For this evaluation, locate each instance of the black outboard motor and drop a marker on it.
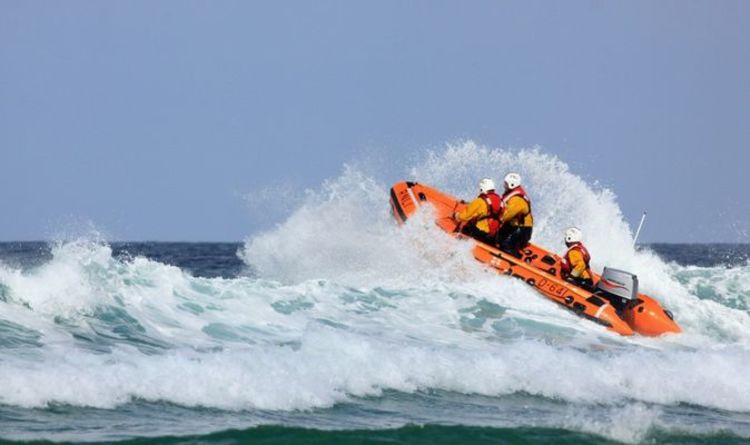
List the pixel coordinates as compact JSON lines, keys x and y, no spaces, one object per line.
{"x":618,"y":287}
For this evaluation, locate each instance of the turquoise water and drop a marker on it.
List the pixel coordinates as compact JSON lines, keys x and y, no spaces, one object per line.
{"x":416,"y":435}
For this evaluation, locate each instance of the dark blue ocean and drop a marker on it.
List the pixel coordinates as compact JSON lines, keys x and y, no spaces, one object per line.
{"x":184,"y":343}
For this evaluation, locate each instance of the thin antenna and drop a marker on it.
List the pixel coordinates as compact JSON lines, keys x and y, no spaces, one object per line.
{"x":640,"y":226}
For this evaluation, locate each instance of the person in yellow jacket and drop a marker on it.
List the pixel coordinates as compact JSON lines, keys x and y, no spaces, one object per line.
{"x":575,"y":264}
{"x":480,"y":217}
{"x":515,"y":217}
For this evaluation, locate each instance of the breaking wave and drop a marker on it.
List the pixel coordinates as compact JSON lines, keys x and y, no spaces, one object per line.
{"x":344,"y":305}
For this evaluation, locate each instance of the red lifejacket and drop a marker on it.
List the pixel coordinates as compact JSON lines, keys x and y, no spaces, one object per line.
{"x":494,"y":205}
{"x":518,"y":191}
{"x":566,"y":267}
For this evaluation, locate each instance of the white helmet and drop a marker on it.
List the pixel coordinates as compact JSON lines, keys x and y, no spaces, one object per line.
{"x":486,"y":184}
{"x":512,"y":180}
{"x":573,"y":235}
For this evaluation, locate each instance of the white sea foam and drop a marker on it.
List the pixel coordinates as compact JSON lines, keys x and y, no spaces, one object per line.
{"x":347,"y":304}
{"x":330,"y":365}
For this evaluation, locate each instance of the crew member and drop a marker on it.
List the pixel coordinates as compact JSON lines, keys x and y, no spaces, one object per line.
{"x":480,"y":217}
{"x":515,"y":217}
{"x":575,"y":263}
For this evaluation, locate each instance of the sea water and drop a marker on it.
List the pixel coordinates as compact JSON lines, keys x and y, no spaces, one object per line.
{"x":338,"y":326}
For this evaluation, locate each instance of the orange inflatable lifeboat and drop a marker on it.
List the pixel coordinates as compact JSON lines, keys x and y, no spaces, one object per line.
{"x":614,"y":302}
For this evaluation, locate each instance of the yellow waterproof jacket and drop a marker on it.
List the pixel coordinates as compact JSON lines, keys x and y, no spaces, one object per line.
{"x":517,"y":213}
{"x":475,"y":210}
{"x":578,"y":266}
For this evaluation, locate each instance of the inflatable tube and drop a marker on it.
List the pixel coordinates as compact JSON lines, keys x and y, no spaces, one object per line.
{"x":541,"y":269}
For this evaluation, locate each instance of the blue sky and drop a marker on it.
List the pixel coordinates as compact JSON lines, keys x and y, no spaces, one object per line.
{"x":152,"y":118}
